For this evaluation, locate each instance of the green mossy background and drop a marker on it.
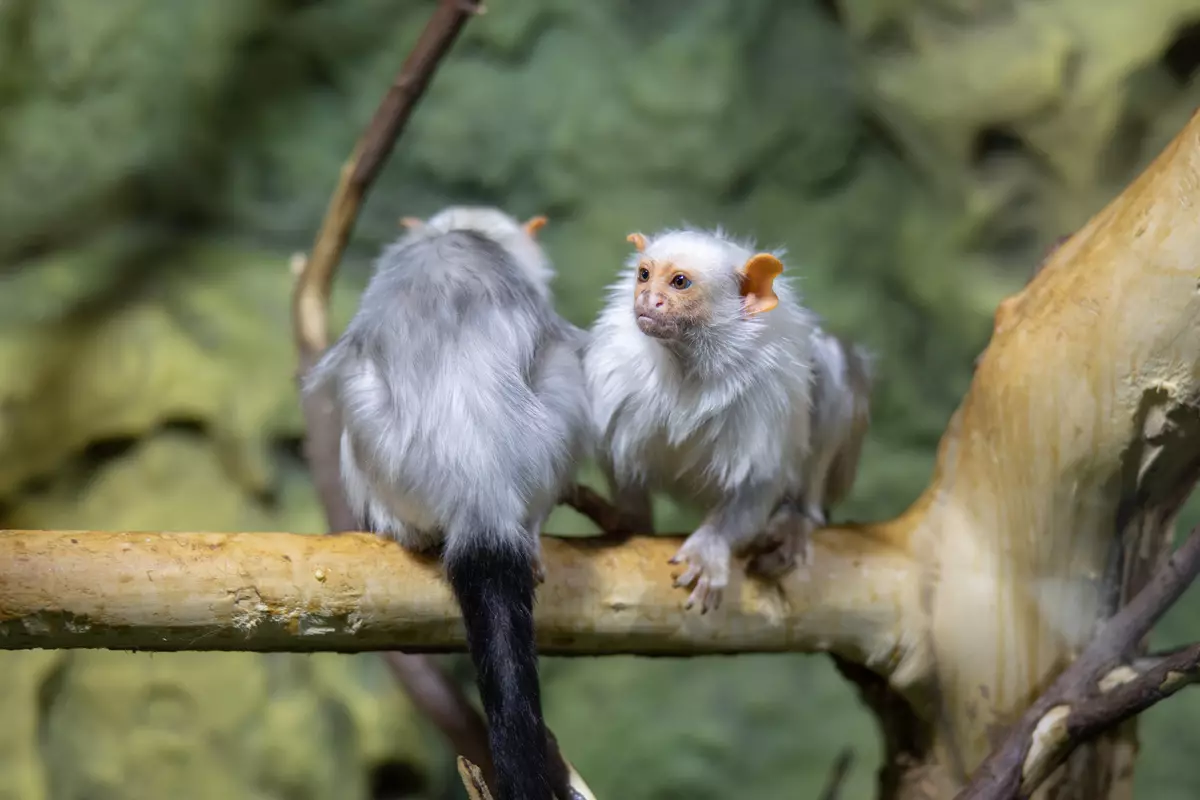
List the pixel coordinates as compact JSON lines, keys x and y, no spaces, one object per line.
{"x":159,"y":162}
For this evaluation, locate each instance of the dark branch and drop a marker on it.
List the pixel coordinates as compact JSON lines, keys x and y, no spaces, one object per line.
{"x":1001,"y":775}
{"x":311,"y":299}
{"x":441,"y":701}
{"x":433,"y":693}
{"x":1124,"y":693}
{"x":837,"y":775}
{"x":593,"y":506}
{"x":1154,"y":682}
{"x":1151,"y":660}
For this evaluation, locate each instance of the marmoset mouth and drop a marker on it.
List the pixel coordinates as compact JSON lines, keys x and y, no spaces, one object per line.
{"x":657,"y":327}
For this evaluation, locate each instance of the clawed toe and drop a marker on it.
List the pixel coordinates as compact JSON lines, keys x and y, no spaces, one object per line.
{"x":688,"y":577}
{"x":705,"y":595}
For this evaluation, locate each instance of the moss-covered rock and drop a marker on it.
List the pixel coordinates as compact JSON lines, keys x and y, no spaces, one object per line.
{"x":205,"y":340}
{"x":1045,"y":104}
{"x":110,"y":107}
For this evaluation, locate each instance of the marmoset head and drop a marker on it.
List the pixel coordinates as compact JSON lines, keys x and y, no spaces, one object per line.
{"x":688,"y":280}
{"x":517,"y":238}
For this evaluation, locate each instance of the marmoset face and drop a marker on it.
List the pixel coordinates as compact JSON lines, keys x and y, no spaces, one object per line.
{"x":669,"y":298}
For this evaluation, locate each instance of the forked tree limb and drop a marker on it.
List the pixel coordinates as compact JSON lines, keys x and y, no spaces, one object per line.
{"x":1076,"y":707}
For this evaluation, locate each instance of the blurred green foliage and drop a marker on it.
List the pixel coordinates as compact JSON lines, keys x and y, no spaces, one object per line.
{"x":160,"y":160}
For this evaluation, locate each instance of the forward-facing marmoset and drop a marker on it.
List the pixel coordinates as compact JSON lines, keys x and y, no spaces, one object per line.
{"x":710,"y":381}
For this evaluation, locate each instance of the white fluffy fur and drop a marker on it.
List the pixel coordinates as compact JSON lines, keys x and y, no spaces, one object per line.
{"x":840,"y":417}
{"x":460,"y":389}
{"x":720,"y":417}
{"x":502,"y":228}
{"x":841,"y":414}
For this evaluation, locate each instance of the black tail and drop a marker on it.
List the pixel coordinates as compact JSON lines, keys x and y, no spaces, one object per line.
{"x":493,"y":581}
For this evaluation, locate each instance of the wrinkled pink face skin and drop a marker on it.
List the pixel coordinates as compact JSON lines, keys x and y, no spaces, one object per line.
{"x":667,"y":297}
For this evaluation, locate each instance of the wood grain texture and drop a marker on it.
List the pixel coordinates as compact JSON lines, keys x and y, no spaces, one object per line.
{"x":355,"y":592}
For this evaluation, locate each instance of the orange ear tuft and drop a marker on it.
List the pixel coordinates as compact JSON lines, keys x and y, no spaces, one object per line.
{"x":637,"y":240}
{"x":758,"y":278}
{"x":535,"y":224}
{"x":412,"y":223}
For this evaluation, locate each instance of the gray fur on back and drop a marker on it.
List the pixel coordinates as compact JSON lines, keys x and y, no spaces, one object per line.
{"x":460,"y":392}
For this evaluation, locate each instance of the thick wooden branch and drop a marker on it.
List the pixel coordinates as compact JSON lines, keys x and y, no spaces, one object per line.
{"x":355,"y":592}
{"x":1058,"y":478}
{"x":1062,"y":471}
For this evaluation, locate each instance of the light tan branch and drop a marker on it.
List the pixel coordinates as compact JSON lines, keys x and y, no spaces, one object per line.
{"x":289,"y":592}
{"x":473,"y":781}
{"x":310,"y":311}
{"x":1062,"y":470}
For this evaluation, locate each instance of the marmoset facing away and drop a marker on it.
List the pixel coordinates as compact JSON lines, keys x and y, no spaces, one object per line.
{"x":701,"y":377}
{"x":464,"y":414}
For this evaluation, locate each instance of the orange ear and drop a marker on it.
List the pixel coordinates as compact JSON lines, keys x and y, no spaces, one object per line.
{"x":535,"y":224}
{"x":637,"y":240}
{"x":412,"y":223}
{"x":758,"y":277}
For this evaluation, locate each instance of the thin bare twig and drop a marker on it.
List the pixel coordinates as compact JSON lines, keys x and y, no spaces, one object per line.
{"x":1074,"y":699}
{"x":310,"y":310}
{"x":1153,"y":658}
{"x":430,"y":689}
{"x":837,"y":774}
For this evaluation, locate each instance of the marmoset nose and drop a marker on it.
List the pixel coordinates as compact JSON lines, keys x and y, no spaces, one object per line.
{"x":648,"y":300}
